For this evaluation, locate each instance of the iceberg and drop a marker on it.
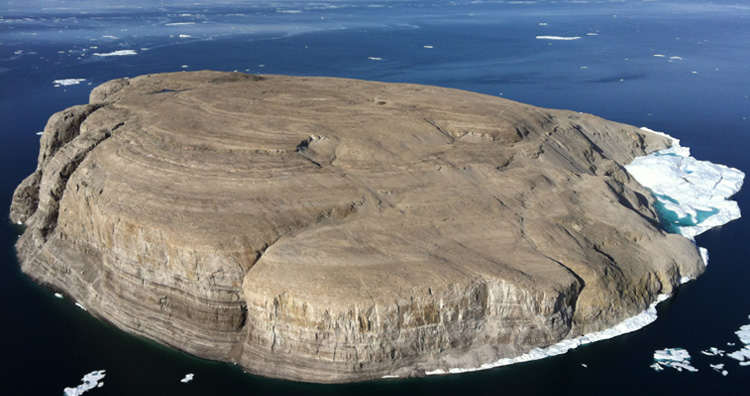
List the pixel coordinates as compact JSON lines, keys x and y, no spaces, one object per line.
{"x":558,"y":38}
{"x":117,"y":53}
{"x":90,"y":381}
{"x":676,"y":358}
{"x":68,"y":81}
{"x":692,"y":195}
{"x":671,"y":355}
{"x":744,"y":334}
{"x":713,"y":351}
{"x":719,"y":368}
{"x":742,"y":355}
{"x":188,"y":378}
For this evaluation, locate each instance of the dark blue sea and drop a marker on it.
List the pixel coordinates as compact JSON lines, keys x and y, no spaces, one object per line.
{"x":681,"y":67}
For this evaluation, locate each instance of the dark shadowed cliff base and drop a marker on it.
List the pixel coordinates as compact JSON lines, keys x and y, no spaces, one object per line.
{"x":332,"y":230}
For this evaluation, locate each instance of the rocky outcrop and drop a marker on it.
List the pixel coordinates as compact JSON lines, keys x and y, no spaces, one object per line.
{"x":333,"y":230}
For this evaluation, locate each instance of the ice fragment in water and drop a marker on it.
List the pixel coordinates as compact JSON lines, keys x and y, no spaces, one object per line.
{"x":68,"y":81}
{"x":713,"y":351}
{"x":90,"y":381}
{"x":719,"y":368}
{"x":117,"y":53}
{"x":561,"y":38}
{"x":676,"y":358}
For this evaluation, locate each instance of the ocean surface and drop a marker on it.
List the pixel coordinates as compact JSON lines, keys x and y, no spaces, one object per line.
{"x":680,"y":67}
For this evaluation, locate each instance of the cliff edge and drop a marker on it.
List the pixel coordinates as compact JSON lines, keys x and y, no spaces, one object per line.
{"x":334,"y":230}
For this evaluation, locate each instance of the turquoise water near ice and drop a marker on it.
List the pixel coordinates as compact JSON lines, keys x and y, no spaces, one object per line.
{"x":672,"y":221}
{"x":47,"y":344}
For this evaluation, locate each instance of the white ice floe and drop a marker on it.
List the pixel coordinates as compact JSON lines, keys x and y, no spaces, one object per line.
{"x":79,"y":305}
{"x":744,"y":334}
{"x":671,"y":355}
{"x":58,"y":295}
{"x":179,"y":23}
{"x":428,"y":46}
{"x":628,"y":325}
{"x":374,"y":58}
{"x":675,"y":58}
{"x":742,"y":355}
{"x":90,"y":381}
{"x":558,"y":38}
{"x":719,"y":368}
{"x":676,"y":358}
{"x":713,"y":351}
{"x":117,"y":53}
{"x":660,"y":55}
{"x":188,"y":378}
{"x":691,"y":195}
{"x":185,"y":36}
{"x":68,"y":81}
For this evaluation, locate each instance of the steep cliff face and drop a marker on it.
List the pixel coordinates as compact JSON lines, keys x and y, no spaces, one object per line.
{"x":334,"y":230}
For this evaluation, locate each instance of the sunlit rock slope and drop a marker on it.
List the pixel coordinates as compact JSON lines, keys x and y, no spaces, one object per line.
{"x":334,"y":230}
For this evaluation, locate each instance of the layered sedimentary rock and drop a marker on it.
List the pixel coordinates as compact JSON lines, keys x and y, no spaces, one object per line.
{"x":334,"y":230}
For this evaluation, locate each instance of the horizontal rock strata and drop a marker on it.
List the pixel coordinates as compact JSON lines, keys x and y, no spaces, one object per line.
{"x":334,"y":230}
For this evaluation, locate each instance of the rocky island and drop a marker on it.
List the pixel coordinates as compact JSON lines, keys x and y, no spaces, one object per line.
{"x":334,"y":230}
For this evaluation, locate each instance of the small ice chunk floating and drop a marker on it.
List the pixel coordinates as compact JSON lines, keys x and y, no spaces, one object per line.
{"x":90,"y":381}
{"x":676,"y":358}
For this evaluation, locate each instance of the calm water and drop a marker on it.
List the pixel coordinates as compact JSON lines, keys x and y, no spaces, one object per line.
{"x":679,"y":67}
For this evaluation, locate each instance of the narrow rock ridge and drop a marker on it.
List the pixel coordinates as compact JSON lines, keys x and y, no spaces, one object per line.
{"x":333,"y":230}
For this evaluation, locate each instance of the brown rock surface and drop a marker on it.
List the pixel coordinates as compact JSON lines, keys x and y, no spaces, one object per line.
{"x":335,"y":230}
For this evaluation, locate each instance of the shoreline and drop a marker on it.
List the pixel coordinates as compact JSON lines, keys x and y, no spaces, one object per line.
{"x":644,"y":167}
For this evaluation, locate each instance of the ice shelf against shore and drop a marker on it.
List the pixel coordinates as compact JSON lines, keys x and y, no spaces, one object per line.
{"x":626,"y":326}
{"x":691,"y":195}
{"x":90,"y":381}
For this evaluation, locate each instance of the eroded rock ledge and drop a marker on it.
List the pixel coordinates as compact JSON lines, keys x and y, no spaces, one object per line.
{"x":333,"y":230}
